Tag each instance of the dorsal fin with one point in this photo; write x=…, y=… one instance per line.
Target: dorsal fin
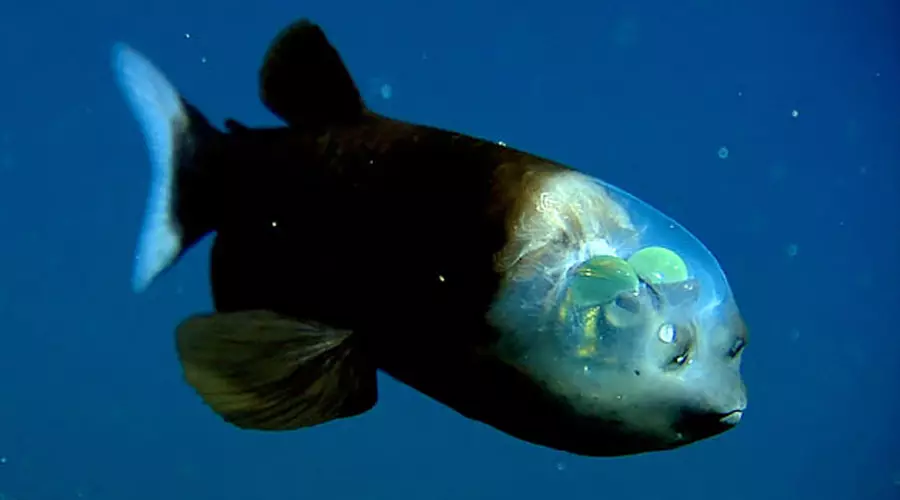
x=304, y=81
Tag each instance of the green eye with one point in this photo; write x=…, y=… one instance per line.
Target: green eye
x=601, y=279
x=658, y=265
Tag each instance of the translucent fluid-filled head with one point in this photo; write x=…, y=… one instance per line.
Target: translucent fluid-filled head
x=626, y=319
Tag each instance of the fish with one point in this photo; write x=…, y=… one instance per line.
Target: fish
x=521, y=293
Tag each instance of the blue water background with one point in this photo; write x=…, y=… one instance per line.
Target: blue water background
x=803, y=214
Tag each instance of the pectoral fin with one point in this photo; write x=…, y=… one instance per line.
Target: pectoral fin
x=261, y=370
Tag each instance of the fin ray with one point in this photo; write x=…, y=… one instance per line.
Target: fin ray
x=261, y=370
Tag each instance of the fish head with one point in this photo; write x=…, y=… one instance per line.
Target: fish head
x=623, y=319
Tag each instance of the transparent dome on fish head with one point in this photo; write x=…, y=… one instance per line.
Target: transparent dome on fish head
x=621, y=319
x=625, y=274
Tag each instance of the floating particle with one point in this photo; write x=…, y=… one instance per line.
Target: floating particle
x=795, y=113
x=792, y=250
x=501, y=143
x=723, y=152
x=187, y=36
x=560, y=466
x=379, y=87
x=386, y=91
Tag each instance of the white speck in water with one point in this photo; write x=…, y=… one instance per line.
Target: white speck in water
x=187, y=36
x=386, y=91
x=792, y=250
x=203, y=60
x=795, y=113
x=2, y=460
x=560, y=466
x=723, y=152
x=501, y=143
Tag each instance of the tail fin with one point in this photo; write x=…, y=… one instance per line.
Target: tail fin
x=182, y=146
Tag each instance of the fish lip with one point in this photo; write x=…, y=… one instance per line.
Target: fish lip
x=733, y=417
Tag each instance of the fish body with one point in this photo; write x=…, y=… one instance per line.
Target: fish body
x=518, y=291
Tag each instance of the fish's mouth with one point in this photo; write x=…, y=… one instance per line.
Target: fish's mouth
x=732, y=418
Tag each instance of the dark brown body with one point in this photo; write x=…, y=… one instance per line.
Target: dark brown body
x=390, y=230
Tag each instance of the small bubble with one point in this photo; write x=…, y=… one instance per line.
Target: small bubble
x=386, y=91
x=795, y=113
x=723, y=152
x=203, y=60
x=560, y=466
x=187, y=36
x=501, y=143
x=792, y=250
